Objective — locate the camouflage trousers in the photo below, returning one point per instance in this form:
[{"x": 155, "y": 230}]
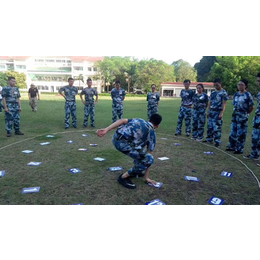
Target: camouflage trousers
[
  {"x": 12, "y": 118},
  {"x": 33, "y": 103},
  {"x": 151, "y": 111},
  {"x": 256, "y": 137},
  {"x": 184, "y": 113},
  {"x": 142, "y": 159},
  {"x": 198, "y": 123},
  {"x": 89, "y": 110},
  {"x": 70, "y": 109},
  {"x": 214, "y": 127},
  {"x": 117, "y": 111},
  {"x": 238, "y": 132}
]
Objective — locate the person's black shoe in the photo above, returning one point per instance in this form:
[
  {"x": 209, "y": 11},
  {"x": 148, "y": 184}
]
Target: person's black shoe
[
  {"x": 177, "y": 134},
  {"x": 19, "y": 133},
  {"x": 92, "y": 126},
  {"x": 74, "y": 126},
  {"x": 8, "y": 134},
  {"x": 66, "y": 127},
  {"x": 238, "y": 152},
  {"x": 230, "y": 149},
  {"x": 126, "y": 182},
  {"x": 216, "y": 144}
]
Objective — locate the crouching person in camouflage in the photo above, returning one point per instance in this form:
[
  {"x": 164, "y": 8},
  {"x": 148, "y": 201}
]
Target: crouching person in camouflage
[
  {"x": 135, "y": 138},
  {"x": 12, "y": 104}
]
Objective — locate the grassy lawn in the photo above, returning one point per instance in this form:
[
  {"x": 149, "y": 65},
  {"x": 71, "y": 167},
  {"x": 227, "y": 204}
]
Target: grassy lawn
[{"x": 96, "y": 185}]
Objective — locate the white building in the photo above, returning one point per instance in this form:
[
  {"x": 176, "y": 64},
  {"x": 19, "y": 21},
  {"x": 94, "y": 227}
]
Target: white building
[
  {"x": 50, "y": 73},
  {"x": 173, "y": 89}
]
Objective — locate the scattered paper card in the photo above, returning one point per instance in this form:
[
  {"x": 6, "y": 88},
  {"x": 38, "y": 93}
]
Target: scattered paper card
[
  {"x": 155, "y": 202},
  {"x": 78, "y": 204},
  {"x": 75, "y": 170},
  {"x": 163, "y": 158},
  {"x": 2, "y": 173},
  {"x": 50, "y": 136},
  {"x": 82, "y": 149},
  {"x": 177, "y": 144},
  {"x": 227, "y": 174},
  {"x": 157, "y": 185},
  {"x": 191, "y": 178},
  {"x": 34, "y": 163},
  {"x": 208, "y": 152},
  {"x": 70, "y": 142},
  {"x": 93, "y": 144},
  {"x": 216, "y": 201},
  {"x": 46, "y": 143},
  {"x": 99, "y": 159},
  {"x": 30, "y": 190},
  {"x": 113, "y": 169},
  {"x": 85, "y": 135},
  {"x": 27, "y": 151},
  {"x": 163, "y": 138}
]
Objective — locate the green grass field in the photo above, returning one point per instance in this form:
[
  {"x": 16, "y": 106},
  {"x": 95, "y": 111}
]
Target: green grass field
[{"x": 96, "y": 185}]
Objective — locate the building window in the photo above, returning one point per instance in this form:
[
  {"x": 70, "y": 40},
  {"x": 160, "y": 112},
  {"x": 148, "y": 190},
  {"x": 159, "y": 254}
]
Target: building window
[
  {"x": 21, "y": 67},
  {"x": 78, "y": 68},
  {"x": 95, "y": 69},
  {"x": 49, "y": 60},
  {"x": 89, "y": 69},
  {"x": 39, "y": 60},
  {"x": 2, "y": 66}
]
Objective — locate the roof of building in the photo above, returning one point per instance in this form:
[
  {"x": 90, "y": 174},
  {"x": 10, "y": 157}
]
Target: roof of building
[{"x": 191, "y": 84}]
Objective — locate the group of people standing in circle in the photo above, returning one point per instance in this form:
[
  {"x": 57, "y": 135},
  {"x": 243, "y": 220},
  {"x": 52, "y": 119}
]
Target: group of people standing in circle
[{"x": 197, "y": 107}]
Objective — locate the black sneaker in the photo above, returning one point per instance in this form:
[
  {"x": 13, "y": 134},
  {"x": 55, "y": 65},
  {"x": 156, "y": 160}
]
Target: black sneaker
[
  {"x": 177, "y": 134},
  {"x": 92, "y": 126},
  {"x": 126, "y": 182},
  {"x": 216, "y": 144},
  {"x": 230, "y": 149},
  {"x": 238, "y": 152},
  {"x": 19, "y": 133},
  {"x": 251, "y": 157},
  {"x": 8, "y": 134}
]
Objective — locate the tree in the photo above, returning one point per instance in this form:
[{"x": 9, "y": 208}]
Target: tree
[
  {"x": 204, "y": 66},
  {"x": 183, "y": 70},
  {"x": 3, "y": 79},
  {"x": 19, "y": 77},
  {"x": 231, "y": 69}
]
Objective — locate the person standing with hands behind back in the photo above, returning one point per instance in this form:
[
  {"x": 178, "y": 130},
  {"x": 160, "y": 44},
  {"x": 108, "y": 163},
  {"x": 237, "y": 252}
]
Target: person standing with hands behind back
[{"x": 153, "y": 99}]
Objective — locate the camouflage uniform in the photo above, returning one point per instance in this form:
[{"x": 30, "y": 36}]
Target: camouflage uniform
[
  {"x": 214, "y": 123},
  {"x": 256, "y": 131},
  {"x": 136, "y": 139},
  {"x": 90, "y": 105},
  {"x": 185, "y": 111},
  {"x": 239, "y": 123},
  {"x": 152, "y": 105},
  {"x": 117, "y": 106},
  {"x": 199, "y": 115},
  {"x": 70, "y": 105},
  {"x": 12, "y": 118}
]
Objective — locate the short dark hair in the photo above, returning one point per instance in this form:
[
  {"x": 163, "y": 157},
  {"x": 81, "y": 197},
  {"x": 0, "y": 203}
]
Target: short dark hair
[
  {"x": 70, "y": 79},
  {"x": 217, "y": 81},
  {"x": 118, "y": 82},
  {"x": 186, "y": 81},
  {"x": 245, "y": 81},
  {"x": 258, "y": 75},
  {"x": 89, "y": 79},
  {"x": 201, "y": 86},
  {"x": 153, "y": 85},
  {"x": 9, "y": 78},
  {"x": 155, "y": 119}
]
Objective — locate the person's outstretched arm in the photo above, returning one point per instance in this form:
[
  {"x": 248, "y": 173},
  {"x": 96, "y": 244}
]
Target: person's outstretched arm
[{"x": 102, "y": 132}]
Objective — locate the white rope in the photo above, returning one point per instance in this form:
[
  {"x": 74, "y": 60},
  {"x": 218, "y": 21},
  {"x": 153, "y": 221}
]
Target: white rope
[{"x": 222, "y": 152}]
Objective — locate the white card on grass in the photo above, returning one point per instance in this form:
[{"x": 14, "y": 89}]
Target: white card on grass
[
  {"x": 70, "y": 142},
  {"x": 191, "y": 178},
  {"x": 27, "y": 151},
  {"x": 118, "y": 168},
  {"x": 227, "y": 174},
  {"x": 155, "y": 202},
  {"x": 85, "y": 135},
  {"x": 2, "y": 173},
  {"x": 75, "y": 170},
  {"x": 177, "y": 144},
  {"x": 30, "y": 190},
  {"x": 45, "y": 143},
  {"x": 163, "y": 138},
  {"x": 99, "y": 159},
  {"x": 50, "y": 136},
  {"x": 163, "y": 158},
  {"x": 34, "y": 163},
  {"x": 157, "y": 185},
  {"x": 93, "y": 144},
  {"x": 83, "y": 149}
]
